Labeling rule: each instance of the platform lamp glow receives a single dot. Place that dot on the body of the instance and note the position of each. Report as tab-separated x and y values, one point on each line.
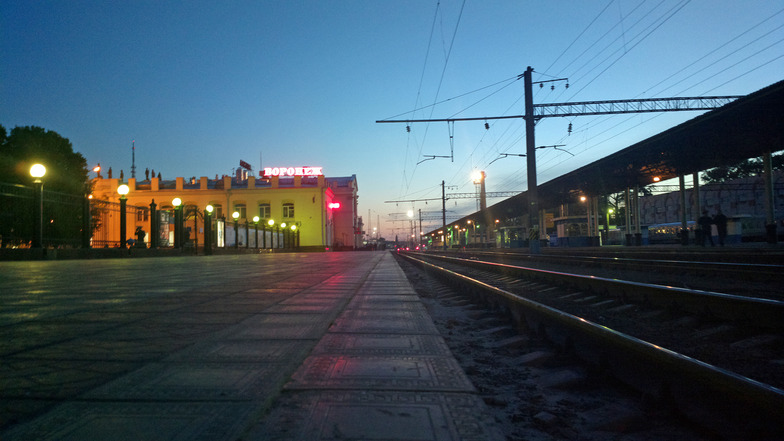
256	224
38	171
236	217
123	190
208	229
177	204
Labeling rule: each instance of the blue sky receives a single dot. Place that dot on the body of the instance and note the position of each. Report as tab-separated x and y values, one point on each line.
201	85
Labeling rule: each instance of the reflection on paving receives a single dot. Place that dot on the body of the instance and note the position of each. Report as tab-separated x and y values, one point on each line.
226	347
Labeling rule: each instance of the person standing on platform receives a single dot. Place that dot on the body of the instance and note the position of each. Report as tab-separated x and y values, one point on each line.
705	223
721	226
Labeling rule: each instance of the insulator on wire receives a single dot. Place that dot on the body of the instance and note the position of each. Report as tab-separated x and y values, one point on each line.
541	85
567	85
552	87
408	128
569	129
487	126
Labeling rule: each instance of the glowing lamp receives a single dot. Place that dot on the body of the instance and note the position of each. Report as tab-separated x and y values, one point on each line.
235	215
123	190
656	179
176	202
97	168
410	213
209	209
293	228
582	198
271	222
256	219
283	225
37	171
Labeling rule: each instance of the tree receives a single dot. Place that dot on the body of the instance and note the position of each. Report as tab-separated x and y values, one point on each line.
65	186
66	170
743	169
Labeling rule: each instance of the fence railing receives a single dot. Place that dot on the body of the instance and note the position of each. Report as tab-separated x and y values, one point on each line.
62	220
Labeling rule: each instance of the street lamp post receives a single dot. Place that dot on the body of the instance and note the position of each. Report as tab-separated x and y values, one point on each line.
236	216
38	171
294	237
208	229
283	229
256	229
247	233
177	203
271	223
123	190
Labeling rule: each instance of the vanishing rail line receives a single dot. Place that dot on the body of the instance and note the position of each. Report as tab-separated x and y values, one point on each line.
687	263
715	397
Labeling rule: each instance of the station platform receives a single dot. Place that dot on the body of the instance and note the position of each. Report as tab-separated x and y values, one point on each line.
319	346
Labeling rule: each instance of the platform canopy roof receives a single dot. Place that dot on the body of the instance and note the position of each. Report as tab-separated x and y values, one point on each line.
746	128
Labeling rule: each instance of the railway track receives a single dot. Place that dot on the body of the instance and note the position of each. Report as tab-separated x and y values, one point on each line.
716	358
754	276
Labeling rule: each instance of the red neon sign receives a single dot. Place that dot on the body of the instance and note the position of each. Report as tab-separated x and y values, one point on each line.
333	205
291	171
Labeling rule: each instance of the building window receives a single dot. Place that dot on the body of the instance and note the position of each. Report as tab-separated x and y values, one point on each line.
217	211
265	211
140	215
288	210
242	210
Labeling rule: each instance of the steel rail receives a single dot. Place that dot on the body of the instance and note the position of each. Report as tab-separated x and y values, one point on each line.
764	313
743	269
730	404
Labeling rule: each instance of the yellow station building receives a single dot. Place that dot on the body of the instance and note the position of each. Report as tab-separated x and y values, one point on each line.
322	209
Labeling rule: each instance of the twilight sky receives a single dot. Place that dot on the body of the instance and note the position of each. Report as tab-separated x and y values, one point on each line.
201	85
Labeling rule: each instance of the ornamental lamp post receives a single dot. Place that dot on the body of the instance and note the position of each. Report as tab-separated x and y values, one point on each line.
283	229
177	203
123	190
270	222
293	242
208	229
236	216
247	233
38	171
256	228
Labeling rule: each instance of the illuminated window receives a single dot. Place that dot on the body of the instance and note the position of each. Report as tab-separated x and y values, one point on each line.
288	210
242	209
265	211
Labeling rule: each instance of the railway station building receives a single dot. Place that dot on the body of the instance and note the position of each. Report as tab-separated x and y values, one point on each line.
315	211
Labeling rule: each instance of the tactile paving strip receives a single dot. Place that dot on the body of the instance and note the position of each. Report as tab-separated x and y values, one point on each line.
423	373
377	322
377	415
382	344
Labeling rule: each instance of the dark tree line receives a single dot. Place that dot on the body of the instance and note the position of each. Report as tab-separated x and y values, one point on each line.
65	186
744	169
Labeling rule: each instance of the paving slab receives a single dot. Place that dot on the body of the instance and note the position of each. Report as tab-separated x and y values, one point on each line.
377	415
224	348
